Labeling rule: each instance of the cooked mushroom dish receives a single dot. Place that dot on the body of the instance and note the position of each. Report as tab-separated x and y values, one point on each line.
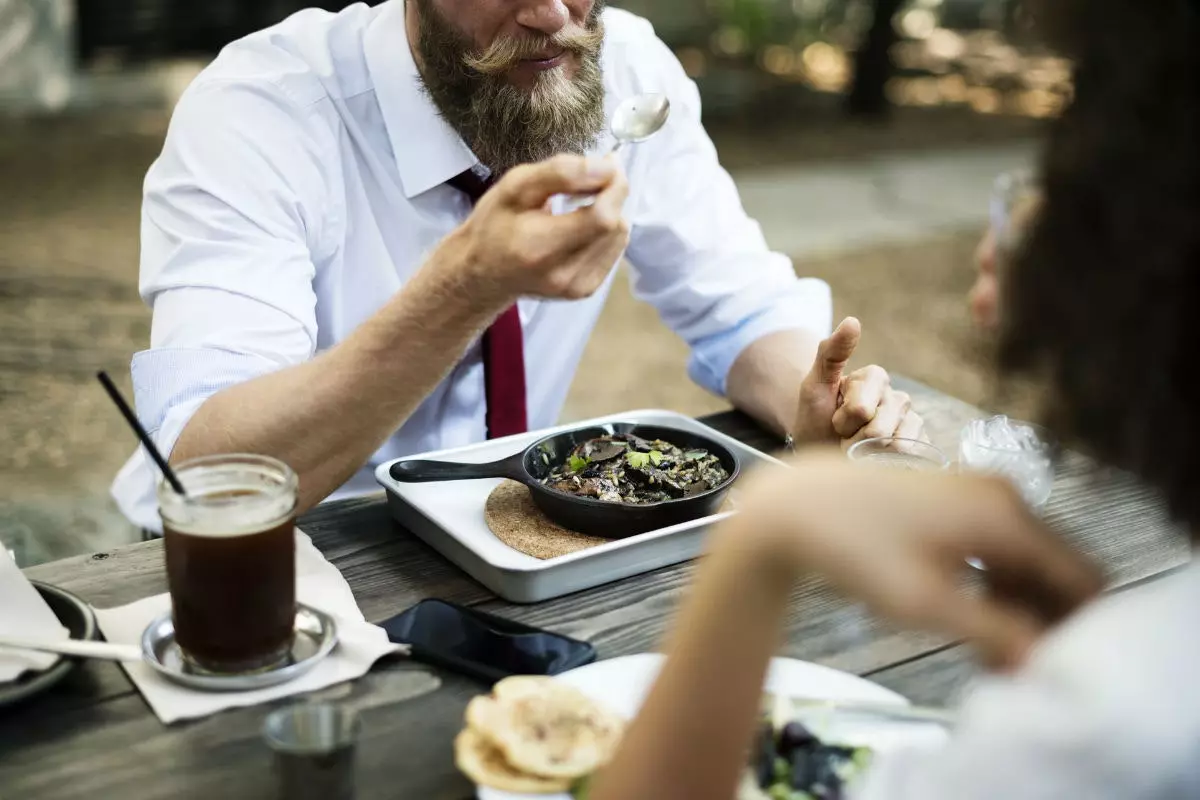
623	468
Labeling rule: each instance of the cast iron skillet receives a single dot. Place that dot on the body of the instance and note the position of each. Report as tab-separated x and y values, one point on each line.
586	514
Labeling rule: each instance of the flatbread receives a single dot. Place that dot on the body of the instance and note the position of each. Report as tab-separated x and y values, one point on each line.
517	521
545	727
480	761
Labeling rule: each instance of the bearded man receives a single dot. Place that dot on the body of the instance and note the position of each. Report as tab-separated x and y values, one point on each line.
355	246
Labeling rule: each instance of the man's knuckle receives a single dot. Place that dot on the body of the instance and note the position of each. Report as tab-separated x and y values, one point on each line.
563	165
526	254
607	224
534	254
559	283
579	291
858	411
518	175
876	429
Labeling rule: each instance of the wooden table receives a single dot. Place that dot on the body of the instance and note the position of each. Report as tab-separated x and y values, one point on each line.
94	736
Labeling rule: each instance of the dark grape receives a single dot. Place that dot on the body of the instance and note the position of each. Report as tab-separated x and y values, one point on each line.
803	764
795	735
824	773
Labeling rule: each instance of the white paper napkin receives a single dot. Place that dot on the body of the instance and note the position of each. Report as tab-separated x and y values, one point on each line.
318	584
24	614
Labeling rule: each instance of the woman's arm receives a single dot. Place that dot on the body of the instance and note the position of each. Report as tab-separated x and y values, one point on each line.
895	540
680	749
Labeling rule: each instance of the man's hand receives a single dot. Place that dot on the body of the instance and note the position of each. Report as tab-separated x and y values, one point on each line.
513	245
836	407
899	541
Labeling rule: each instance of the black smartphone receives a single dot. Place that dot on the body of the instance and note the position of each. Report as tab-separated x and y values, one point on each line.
482	645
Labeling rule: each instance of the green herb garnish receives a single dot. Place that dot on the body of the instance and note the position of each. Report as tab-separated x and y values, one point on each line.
577	463
637	460
656	457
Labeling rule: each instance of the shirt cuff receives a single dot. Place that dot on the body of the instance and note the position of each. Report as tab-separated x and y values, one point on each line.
135	489
164	378
169	386
810	308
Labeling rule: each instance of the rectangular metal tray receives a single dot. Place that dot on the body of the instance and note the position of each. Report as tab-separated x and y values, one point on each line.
448	516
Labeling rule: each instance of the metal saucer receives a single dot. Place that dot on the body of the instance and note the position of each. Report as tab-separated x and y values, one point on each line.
316	636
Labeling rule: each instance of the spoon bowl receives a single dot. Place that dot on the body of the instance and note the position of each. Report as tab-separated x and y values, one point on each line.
639	117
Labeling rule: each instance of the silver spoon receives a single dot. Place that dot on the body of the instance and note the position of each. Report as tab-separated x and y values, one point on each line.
638	118
635	120
75	647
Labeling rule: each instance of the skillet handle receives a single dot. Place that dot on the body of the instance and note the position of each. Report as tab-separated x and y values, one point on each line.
430	471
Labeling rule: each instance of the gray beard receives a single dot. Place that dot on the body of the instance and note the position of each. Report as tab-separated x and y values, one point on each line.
502	124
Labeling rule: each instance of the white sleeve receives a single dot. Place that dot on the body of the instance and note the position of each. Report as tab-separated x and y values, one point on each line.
1106	709
233	222
696	255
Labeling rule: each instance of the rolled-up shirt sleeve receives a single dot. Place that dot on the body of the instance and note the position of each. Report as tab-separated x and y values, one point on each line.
696	255
232	222
234	214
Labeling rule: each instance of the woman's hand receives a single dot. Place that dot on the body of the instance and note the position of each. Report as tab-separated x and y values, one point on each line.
898	540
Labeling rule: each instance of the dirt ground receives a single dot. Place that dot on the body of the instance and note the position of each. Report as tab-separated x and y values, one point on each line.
69	306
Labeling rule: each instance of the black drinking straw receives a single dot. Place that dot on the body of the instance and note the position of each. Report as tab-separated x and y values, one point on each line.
132	419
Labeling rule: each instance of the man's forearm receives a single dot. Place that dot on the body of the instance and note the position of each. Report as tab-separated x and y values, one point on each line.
765	380
326	416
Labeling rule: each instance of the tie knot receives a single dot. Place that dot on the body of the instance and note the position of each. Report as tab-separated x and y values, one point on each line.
471	184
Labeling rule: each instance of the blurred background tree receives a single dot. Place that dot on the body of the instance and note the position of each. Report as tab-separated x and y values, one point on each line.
873	65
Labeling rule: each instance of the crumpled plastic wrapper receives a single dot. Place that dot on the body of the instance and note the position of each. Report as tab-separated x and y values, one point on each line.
1002	446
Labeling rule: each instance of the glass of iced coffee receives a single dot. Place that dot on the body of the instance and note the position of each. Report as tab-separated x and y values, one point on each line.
231	563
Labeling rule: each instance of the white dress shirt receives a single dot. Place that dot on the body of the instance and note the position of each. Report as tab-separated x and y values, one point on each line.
302	183
1108	708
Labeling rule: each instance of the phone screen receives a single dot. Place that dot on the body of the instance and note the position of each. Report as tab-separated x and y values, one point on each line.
483	645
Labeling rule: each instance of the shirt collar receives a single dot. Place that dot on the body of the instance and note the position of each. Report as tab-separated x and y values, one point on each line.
428	152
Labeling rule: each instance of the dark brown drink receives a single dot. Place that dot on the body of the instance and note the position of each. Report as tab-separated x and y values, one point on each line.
231	563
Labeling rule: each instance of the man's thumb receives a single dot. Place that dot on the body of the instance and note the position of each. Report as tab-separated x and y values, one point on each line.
835	351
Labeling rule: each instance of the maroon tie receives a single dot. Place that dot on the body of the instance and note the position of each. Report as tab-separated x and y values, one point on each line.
503	349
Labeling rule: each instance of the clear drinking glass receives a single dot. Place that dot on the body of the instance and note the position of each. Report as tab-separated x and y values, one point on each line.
231	561
899	453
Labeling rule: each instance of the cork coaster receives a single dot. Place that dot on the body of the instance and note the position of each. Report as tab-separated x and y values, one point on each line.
516	520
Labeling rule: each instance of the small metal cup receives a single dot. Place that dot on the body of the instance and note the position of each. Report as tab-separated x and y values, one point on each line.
314	745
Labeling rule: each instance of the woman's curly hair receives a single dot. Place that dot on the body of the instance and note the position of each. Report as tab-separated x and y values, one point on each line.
1102	302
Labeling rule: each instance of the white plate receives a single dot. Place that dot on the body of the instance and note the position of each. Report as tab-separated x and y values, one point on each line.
622	684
